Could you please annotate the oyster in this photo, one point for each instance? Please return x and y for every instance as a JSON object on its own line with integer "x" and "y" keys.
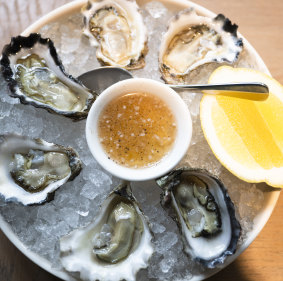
{"x": 36, "y": 76}
{"x": 117, "y": 28}
{"x": 32, "y": 169}
{"x": 204, "y": 212}
{"x": 115, "y": 246}
{"x": 193, "y": 40}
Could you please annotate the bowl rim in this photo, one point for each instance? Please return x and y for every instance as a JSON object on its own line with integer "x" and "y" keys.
{"x": 173, "y": 102}
{"x": 259, "y": 221}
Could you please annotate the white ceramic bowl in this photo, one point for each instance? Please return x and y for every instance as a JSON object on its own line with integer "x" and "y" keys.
{"x": 173, "y": 101}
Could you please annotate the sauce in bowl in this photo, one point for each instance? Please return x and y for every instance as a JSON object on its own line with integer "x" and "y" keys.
{"x": 137, "y": 129}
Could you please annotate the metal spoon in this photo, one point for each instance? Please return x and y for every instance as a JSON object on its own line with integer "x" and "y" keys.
{"x": 101, "y": 78}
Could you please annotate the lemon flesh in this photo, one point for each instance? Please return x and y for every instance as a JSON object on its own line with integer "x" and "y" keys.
{"x": 246, "y": 136}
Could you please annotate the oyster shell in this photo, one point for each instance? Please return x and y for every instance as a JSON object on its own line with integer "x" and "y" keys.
{"x": 117, "y": 29}
{"x": 193, "y": 40}
{"x": 36, "y": 76}
{"x": 204, "y": 213}
{"x": 32, "y": 169}
{"x": 115, "y": 246}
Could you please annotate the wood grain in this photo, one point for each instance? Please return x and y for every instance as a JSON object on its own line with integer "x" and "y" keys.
{"x": 261, "y": 23}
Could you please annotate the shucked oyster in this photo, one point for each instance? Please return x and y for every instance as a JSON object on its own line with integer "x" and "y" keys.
{"x": 36, "y": 76}
{"x": 193, "y": 40}
{"x": 204, "y": 212}
{"x": 113, "y": 247}
{"x": 32, "y": 169}
{"x": 117, "y": 29}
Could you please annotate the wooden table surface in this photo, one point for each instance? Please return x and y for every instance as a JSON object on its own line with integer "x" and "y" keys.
{"x": 261, "y": 22}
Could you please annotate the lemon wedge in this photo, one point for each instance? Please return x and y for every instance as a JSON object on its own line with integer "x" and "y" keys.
{"x": 246, "y": 136}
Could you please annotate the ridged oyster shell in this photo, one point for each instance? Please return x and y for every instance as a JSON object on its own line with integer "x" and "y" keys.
{"x": 204, "y": 212}
{"x": 115, "y": 246}
{"x": 192, "y": 40}
{"x": 36, "y": 76}
{"x": 117, "y": 29}
{"x": 32, "y": 169}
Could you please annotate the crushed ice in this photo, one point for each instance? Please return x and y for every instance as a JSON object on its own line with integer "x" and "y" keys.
{"x": 77, "y": 203}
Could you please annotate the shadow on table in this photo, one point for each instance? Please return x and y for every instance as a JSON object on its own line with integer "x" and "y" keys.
{"x": 15, "y": 266}
{"x": 233, "y": 272}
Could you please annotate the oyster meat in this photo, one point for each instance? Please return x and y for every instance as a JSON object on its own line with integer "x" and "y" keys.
{"x": 115, "y": 246}
{"x": 204, "y": 213}
{"x": 36, "y": 76}
{"x": 192, "y": 40}
{"x": 32, "y": 169}
{"x": 117, "y": 29}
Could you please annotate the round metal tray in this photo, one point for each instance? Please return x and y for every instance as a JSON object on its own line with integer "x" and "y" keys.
{"x": 270, "y": 195}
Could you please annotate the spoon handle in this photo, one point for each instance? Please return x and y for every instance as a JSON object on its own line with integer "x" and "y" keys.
{"x": 253, "y": 91}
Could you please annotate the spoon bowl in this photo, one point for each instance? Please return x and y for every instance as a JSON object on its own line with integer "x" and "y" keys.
{"x": 101, "y": 78}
